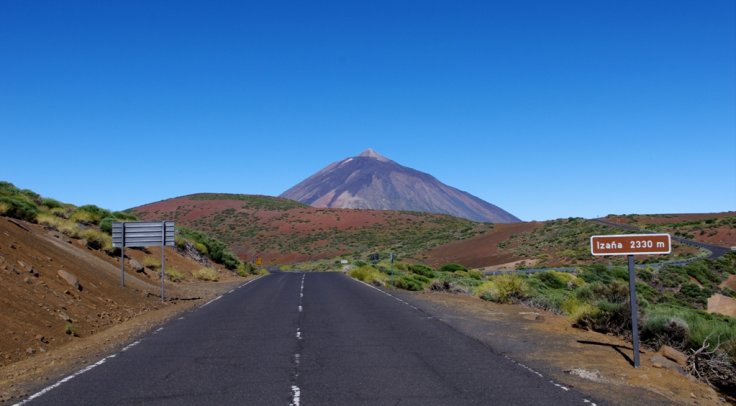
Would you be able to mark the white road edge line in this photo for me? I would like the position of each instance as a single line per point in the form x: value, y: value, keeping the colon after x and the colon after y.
x: 564, y: 388
x: 102, y: 361
x: 65, y: 380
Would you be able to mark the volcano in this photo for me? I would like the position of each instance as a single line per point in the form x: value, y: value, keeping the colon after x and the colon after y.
x: 372, y: 181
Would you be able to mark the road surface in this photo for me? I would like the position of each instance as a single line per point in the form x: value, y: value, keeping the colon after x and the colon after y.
x: 307, y: 339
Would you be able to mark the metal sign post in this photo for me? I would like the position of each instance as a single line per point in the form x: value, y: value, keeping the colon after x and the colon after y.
x: 634, y: 311
x: 163, y: 245
x: 630, y: 245
x: 143, y: 234
x: 392, y: 268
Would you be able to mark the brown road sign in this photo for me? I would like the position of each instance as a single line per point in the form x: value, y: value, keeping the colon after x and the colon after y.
x: 630, y: 244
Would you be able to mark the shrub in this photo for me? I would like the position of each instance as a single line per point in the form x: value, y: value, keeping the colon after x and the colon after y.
x: 508, y: 288
x: 246, y: 268
x: 452, y: 268
x: 18, y: 208
x: 106, y: 225
x: 578, y: 309
x: 174, y: 274
x: 369, y: 274
x: 62, y: 212
x: 692, y: 295
x: 422, y: 270
x: 89, y: 214
x: 212, y: 247
x: 660, y: 329
x: 49, y: 220
x: 152, y: 262
x: 475, y: 274
x: 700, y: 325
x: 70, y: 329
x: 207, y: 274
x: 558, y: 280
x: 410, y: 282
x: 96, y: 239
x: 51, y: 203
x: 123, y: 216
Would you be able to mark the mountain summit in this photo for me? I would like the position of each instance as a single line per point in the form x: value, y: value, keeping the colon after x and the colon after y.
x: 372, y: 181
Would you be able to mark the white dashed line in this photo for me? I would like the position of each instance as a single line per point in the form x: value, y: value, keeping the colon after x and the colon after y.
x: 296, y: 395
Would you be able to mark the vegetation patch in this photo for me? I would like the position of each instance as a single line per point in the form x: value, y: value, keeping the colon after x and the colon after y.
x: 217, y: 250
x: 207, y: 274
x: 175, y: 275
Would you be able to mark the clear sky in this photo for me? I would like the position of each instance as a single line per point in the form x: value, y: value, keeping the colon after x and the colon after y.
x: 547, y: 109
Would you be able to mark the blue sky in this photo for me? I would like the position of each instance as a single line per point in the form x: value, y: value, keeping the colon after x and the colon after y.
x: 547, y: 109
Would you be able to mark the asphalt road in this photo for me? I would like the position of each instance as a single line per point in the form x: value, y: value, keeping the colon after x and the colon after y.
x: 308, y: 339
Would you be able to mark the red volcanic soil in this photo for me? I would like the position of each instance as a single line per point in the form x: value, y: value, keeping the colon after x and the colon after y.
x: 282, y: 231
x: 482, y: 250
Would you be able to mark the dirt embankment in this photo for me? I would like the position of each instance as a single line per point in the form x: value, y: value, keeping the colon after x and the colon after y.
x: 63, y: 303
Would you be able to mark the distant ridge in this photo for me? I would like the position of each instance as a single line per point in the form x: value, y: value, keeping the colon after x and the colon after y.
x: 372, y: 181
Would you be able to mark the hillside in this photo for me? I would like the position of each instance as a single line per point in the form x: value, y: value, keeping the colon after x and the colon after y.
x: 60, y: 276
x: 711, y: 228
x: 283, y: 231
x: 372, y: 181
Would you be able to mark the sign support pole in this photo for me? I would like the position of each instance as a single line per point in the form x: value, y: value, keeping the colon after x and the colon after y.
x: 634, y: 311
x: 163, y: 245
x: 122, y: 260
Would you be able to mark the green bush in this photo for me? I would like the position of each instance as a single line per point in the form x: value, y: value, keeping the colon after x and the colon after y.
x: 89, y: 214
x: 106, y: 224
x: 423, y: 270
x: 452, y: 268
x: 246, y: 268
x: 51, y: 203
x: 509, y: 288
x: 557, y: 280
x: 123, y: 216
x: 212, y: 247
x: 411, y: 282
x: 369, y: 274
x: 601, y: 273
x: 96, y: 239
x: 18, y: 208
x: 699, y: 326
x: 174, y: 274
x: 475, y: 274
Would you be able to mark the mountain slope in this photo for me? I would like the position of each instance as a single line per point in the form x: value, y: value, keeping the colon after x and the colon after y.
x: 372, y: 181
x: 284, y: 231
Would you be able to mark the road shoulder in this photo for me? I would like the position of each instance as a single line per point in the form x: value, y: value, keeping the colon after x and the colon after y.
x: 591, y: 362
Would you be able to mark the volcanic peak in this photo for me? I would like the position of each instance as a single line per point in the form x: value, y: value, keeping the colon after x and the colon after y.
x: 371, y: 153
